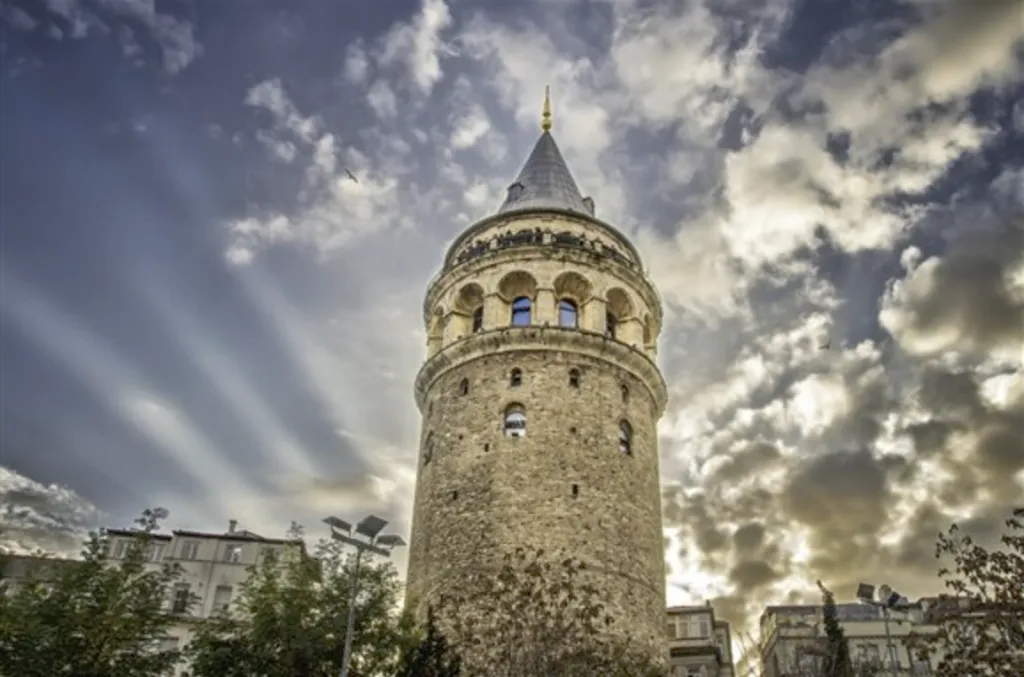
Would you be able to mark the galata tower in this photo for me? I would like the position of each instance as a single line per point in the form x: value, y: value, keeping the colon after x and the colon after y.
x: 540, y: 398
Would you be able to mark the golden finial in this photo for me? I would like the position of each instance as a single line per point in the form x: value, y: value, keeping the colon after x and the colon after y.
x: 545, y: 122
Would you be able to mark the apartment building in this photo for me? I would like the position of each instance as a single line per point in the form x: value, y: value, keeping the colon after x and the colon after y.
x: 214, y: 567
x: 699, y: 644
x: 792, y: 638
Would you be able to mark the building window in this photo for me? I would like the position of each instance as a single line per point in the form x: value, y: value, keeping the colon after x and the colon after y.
x: 189, y: 550
x: 625, y: 438
x: 515, y: 191
x: 428, y: 448
x: 154, y: 552
x: 464, y: 387
x: 611, y: 325
x: 568, y: 314
x: 521, y: 311
x: 179, y: 603
x: 221, y: 598
x: 478, y: 319
x: 515, y: 421
x: 233, y: 554
x: 515, y: 378
x: 119, y: 549
x: 574, y: 378
x: 624, y: 389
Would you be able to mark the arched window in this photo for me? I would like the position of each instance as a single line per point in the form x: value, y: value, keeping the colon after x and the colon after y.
x: 515, y: 421
x: 611, y: 324
x: 568, y: 314
x: 521, y: 312
x: 624, y: 389
x: 515, y: 378
x: 464, y: 387
x: 625, y: 438
x: 478, y: 319
x: 574, y: 378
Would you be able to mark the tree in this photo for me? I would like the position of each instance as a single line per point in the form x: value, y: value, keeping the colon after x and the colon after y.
x: 980, y: 626
x: 836, y: 660
x: 536, y: 618
x: 91, y: 618
x: 430, y: 655
x: 290, y: 617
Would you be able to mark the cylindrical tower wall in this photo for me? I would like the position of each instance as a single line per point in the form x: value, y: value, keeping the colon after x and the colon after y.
x: 567, y: 485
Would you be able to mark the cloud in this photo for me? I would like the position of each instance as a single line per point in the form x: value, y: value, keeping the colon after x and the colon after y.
x: 18, y: 18
x: 175, y: 37
x: 418, y: 45
x: 334, y: 210
x: 382, y: 100
x: 36, y: 516
x: 971, y: 300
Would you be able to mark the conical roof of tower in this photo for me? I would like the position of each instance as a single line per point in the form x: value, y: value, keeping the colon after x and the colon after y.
x: 545, y: 182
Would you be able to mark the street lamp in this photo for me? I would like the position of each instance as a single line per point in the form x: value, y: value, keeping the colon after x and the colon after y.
x: 369, y: 528
x: 888, y: 599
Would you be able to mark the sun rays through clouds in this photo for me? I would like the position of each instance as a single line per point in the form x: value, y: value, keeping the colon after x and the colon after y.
x: 832, y: 208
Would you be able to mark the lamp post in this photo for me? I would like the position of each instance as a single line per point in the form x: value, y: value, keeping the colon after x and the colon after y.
x: 888, y: 599
x: 369, y: 528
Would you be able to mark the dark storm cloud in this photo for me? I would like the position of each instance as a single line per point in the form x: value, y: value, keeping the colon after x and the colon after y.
x: 968, y: 292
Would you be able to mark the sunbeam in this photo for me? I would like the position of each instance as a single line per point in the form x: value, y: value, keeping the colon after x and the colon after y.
x: 277, y: 444
x: 121, y: 388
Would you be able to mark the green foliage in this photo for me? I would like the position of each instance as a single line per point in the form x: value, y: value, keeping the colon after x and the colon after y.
x: 290, y: 616
x: 92, y: 618
x: 536, y: 617
x: 836, y: 661
x: 430, y: 655
x: 981, y: 628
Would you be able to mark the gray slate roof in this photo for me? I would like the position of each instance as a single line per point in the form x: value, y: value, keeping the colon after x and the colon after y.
x: 546, y: 183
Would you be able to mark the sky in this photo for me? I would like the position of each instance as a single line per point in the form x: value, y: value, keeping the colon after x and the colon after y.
x: 201, y: 310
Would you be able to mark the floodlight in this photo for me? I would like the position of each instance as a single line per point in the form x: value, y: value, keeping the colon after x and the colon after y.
x: 865, y: 591
x: 370, y: 526
x: 339, y: 524
x: 390, y: 540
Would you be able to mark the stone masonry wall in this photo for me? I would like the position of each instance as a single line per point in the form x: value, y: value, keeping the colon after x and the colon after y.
x: 483, y: 494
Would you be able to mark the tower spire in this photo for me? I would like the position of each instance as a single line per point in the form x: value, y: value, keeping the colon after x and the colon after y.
x: 545, y: 121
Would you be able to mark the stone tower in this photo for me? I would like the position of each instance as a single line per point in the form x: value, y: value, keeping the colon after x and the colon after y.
x: 540, y: 398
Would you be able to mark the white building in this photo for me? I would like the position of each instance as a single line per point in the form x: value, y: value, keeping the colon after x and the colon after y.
x: 699, y: 645
x: 214, y: 568
x: 791, y: 638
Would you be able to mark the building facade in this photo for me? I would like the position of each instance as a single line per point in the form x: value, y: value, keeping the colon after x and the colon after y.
x: 791, y: 637
x: 699, y: 644
x: 214, y: 567
x: 540, y: 397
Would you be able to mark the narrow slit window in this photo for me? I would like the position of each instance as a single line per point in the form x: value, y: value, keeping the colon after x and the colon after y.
x: 464, y: 387
x: 575, y: 490
x: 568, y: 314
x: 478, y: 320
x: 515, y: 421
x: 625, y: 438
x: 515, y: 378
x: 574, y: 378
x: 428, y: 448
x: 624, y: 389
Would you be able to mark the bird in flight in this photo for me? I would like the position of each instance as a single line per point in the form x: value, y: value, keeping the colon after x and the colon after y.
x: 827, y: 345
x: 351, y: 175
